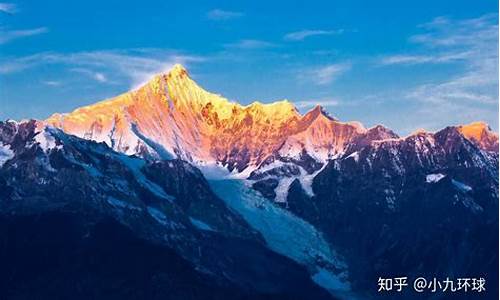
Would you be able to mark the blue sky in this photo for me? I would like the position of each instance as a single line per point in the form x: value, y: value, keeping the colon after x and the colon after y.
x: 407, y: 65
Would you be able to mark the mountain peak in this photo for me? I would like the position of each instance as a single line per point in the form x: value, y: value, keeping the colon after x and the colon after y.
x: 481, y: 134
x: 320, y: 111
x: 178, y: 70
x: 474, y: 128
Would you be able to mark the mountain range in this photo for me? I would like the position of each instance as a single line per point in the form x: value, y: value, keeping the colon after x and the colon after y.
x: 172, y: 190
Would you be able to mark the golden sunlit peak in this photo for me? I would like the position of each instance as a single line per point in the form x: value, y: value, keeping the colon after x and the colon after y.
x: 320, y: 111
x: 283, y: 104
x: 474, y: 129
x: 178, y: 70
x: 477, y: 125
x: 318, y: 108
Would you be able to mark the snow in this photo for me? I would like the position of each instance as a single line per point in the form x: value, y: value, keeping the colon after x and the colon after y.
x: 433, y: 178
x: 283, y: 232
x: 354, y: 155
x: 292, y: 148
x: 121, y: 204
x: 282, y: 189
x: 390, y: 199
x: 93, y: 171
x: 5, y: 153
x: 307, y: 179
x: 45, y: 139
x: 473, y: 206
x: 461, y: 186
x: 329, y: 281
x: 158, y: 215
x: 157, y: 147
x: 272, y: 165
x: 215, y: 170
x: 200, y: 224
x: 135, y: 165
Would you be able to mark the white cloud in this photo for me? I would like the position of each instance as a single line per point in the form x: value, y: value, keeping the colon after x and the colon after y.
x: 9, y: 35
x: 133, y: 65
x: 97, y: 76
x: 478, y: 85
x: 303, y: 34
x: 425, y: 59
x: 447, y: 33
x: 250, y: 44
x: 8, y: 8
x: 326, y: 102
x: 474, y: 44
x: 52, y: 82
x: 325, y: 74
x: 221, y: 15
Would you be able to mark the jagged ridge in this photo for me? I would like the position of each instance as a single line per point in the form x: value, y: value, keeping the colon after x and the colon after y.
x: 171, y: 116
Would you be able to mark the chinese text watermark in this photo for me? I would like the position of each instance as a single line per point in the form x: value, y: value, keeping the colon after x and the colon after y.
x: 432, y: 285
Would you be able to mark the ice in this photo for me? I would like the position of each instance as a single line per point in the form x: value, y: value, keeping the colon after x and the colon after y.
x: 433, y: 178
x: 273, y: 165
x: 158, y: 215
x: 330, y: 281
x: 307, y: 179
x: 45, y: 139
x: 283, y: 232
x: 282, y: 189
x: 135, y: 165
x: 157, y: 147
x: 214, y: 170
x: 461, y: 186
x: 200, y: 224
x: 121, y: 204
x: 354, y: 155
x: 5, y: 154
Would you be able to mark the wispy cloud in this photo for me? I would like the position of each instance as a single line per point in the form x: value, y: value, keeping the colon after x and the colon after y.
x: 445, y: 40
x: 477, y: 85
x: 9, y: 35
x: 425, y: 59
x: 53, y: 83
x: 97, y: 76
x: 133, y: 65
x: 474, y: 44
x: 325, y: 102
x: 8, y: 8
x: 222, y: 15
x: 250, y: 44
x: 303, y: 34
x: 325, y: 74
x: 445, y: 32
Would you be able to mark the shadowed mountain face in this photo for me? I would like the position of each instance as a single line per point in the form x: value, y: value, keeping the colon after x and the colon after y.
x: 78, y: 218
x: 295, y: 205
x: 425, y: 206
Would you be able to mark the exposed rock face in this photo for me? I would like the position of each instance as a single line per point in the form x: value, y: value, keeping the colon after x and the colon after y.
x: 172, y: 117
x: 481, y: 134
x: 421, y: 205
x: 424, y: 205
x: 82, y: 201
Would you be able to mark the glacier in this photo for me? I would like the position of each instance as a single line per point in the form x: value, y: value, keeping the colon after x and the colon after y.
x: 286, y: 234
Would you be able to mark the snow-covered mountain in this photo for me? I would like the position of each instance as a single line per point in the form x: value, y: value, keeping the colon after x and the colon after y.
x: 228, y: 188
x: 172, y: 117
x: 78, y: 218
x: 423, y: 205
